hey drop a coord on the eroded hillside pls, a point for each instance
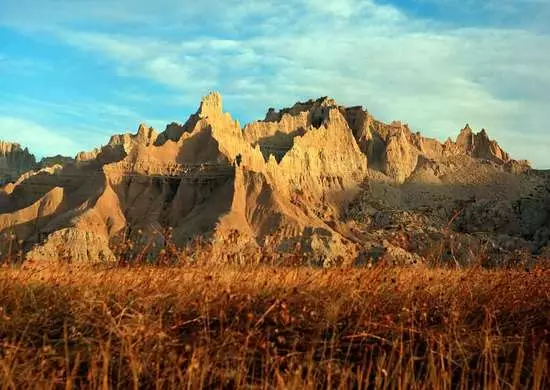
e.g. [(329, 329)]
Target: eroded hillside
[(328, 181)]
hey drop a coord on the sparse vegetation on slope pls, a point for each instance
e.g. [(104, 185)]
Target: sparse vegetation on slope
[(295, 328)]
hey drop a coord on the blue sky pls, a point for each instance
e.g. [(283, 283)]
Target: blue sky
[(74, 72)]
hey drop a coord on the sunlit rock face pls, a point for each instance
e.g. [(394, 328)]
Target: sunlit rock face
[(330, 180), (480, 146)]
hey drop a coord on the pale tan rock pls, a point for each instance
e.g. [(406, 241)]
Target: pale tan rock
[(285, 181), (211, 105), (400, 158), (82, 158), (480, 146), (72, 245), (26, 223), (362, 125)]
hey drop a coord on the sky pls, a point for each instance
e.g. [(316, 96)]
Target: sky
[(74, 72)]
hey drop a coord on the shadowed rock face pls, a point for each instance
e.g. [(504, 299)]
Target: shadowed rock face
[(55, 160), (14, 161), (332, 179)]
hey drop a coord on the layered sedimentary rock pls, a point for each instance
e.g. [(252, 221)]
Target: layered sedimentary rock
[(330, 180)]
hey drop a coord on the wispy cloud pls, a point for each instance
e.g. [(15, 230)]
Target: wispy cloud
[(172, 64), (433, 74), (62, 127), (10, 66), (85, 114), (39, 139)]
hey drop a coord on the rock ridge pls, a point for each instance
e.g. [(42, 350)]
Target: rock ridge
[(331, 180)]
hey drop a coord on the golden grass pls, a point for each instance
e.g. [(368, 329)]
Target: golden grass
[(274, 328)]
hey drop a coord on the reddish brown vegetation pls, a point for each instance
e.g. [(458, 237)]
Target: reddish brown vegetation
[(230, 327)]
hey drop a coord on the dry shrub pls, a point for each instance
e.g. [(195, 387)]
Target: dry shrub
[(204, 326)]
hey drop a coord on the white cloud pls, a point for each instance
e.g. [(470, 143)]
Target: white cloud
[(338, 8), (39, 139), (259, 54), (50, 127), (82, 113), (165, 62)]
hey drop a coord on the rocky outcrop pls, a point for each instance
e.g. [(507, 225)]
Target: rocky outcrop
[(14, 160), (400, 157), (480, 146), (172, 132), (275, 135), (72, 245), (126, 142), (312, 107), (84, 157), (390, 148), (295, 181), (118, 147), (55, 160)]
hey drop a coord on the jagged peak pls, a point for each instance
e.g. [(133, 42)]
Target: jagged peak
[(211, 105), (143, 128), (146, 132), (14, 160), (273, 115), (14, 144), (464, 138), (14, 148), (326, 101), (466, 131), (173, 124), (11, 146), (479, 145)]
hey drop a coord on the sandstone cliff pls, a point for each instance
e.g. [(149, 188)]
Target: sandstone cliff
[(330, 180)]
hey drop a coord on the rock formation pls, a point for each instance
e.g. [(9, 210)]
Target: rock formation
[(480, 146), (14, 161), (332, 181), (55, 160)]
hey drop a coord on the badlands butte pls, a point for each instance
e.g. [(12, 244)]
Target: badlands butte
[(319, 182)]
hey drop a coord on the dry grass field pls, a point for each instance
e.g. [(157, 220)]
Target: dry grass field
[(252, 327)]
